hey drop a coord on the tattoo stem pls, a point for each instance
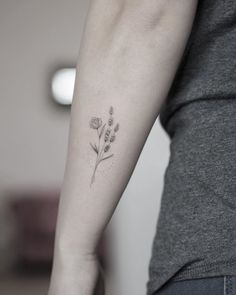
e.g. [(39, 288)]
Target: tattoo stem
[(98, 159)]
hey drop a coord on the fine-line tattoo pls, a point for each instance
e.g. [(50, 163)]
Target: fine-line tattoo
[(107, 135)]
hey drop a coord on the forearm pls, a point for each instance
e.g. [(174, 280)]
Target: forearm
[(127, 61)]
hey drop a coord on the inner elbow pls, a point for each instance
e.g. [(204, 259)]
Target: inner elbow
[(142, 14)]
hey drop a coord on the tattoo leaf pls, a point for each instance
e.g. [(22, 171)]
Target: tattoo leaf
[(94, 147), (102, 130), (107, 157)]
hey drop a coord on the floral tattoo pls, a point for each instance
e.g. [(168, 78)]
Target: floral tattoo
[(106, 136)]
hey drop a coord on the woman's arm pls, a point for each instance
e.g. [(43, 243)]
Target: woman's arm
[(128, 58)]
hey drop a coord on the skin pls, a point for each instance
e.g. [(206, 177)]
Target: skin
[(129, 54)]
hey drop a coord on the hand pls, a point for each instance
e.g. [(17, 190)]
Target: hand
[(78, 278)]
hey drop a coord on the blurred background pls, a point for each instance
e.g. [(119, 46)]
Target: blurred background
[(40, 39)]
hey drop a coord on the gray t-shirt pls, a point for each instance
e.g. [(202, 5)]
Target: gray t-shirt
[(196, 227)]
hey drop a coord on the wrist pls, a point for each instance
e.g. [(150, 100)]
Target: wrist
[(71, 277), (73, 249)]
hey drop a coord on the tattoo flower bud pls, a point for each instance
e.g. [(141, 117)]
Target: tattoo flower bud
[(107, 134), (111, 111), (110, 121), (107, 147), (116, 128), (112, 138), (95, 123)]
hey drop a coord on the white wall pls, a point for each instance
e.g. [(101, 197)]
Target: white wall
[(35, 37)]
